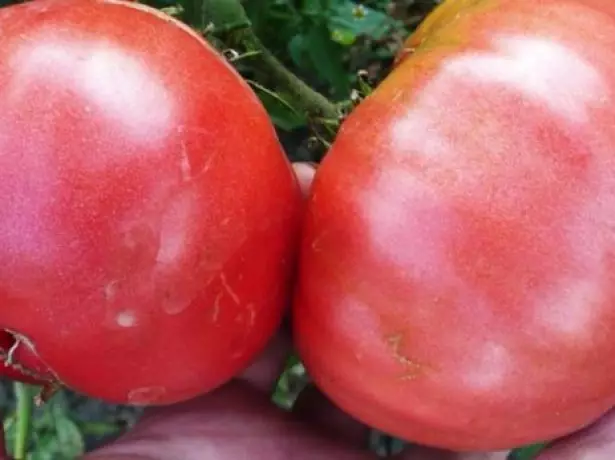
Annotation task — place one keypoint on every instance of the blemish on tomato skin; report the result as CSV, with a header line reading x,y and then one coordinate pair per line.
x,y
174,304
412,369
110,290
126,319
184,164
146,395
215,314
397,94
239,318
174,230
316,244
237,354
251,314
189,171
228,289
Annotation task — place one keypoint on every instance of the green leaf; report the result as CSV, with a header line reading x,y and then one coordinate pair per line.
x,y
360,20
69,437
290,384
297,50
343,36
257,11
384,445
60,441
99,429
327,59
315,8
283,116
527,452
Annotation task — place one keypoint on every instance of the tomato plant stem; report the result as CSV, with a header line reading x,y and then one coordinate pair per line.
x,y
227,21
24,417
302,97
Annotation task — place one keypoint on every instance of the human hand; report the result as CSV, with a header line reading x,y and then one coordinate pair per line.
x,y
239,421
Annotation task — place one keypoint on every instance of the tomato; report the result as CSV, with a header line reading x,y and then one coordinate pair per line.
x,y
149,216
457,270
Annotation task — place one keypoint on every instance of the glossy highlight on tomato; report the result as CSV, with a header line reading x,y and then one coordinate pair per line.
x,y
149,216
457,271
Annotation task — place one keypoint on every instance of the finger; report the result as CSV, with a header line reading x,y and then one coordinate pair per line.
x,y
596,442
428,453
305,175
315,409
265,371
236,422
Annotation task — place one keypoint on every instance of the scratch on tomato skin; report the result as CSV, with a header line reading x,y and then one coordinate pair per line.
x,y
251,314
186,168
216,309
110,290
146,395
316,243
412,369
240,352
398,93
228,289
184,163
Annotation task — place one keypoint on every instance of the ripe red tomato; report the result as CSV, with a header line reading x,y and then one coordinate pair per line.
x,y
149,216
457,271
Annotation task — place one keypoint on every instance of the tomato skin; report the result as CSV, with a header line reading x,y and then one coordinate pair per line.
x,y
457,271
150,216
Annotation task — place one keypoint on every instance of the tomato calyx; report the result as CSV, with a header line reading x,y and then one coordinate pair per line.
x,y
20,362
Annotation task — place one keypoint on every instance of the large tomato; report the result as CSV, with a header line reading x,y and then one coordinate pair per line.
x,y
457,273
149,215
